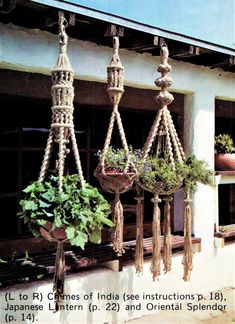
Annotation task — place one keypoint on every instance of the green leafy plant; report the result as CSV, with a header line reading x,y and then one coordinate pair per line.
x,y
187,172
224,144
196,171
83,212
159,169
116,159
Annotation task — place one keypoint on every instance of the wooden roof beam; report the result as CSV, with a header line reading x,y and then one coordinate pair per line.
x,y
191,51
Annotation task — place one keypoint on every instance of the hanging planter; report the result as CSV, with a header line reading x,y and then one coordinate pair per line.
x,y
76,215
63,208
112,179
115,176
159,176
161,166
163,170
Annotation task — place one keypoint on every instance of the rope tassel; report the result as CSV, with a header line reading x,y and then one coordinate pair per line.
x,y
167,242
59,276
117,233
156,229
139,253
188,251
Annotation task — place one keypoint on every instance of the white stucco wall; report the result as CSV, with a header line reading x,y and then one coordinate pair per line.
x,y
36,51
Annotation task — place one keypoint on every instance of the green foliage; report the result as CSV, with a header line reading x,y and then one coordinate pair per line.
x,y
188,172
82,211
197,171
226,228
116,159
159,169
224,144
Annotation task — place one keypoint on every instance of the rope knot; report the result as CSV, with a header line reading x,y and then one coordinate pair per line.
x,y
156,199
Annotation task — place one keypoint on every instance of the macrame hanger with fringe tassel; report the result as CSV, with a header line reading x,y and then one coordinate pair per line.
x,y
61,132
167,145
116,183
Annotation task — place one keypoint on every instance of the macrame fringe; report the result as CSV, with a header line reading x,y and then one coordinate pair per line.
x,y
117,232
167,242
63,62
139,253
59,276
156,229
188,251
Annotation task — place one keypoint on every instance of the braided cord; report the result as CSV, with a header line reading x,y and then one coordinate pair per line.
x,y
77,157
46,158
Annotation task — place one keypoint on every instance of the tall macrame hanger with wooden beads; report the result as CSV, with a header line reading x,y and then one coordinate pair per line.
x,y
61,133
116,183
163,134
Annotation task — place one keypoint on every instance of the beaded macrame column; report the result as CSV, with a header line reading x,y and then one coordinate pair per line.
x,y
61,133
62,126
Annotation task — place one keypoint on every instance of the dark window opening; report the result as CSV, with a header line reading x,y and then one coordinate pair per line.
x,y
226,204
24,128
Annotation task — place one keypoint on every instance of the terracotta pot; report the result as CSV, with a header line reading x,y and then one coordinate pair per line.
x,y
225,162
57,234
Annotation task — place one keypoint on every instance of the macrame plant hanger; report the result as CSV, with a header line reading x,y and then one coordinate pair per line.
x,y
116,183
61,132
164,135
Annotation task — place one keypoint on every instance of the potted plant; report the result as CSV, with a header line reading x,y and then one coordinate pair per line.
x,y
224,157
115,170
157,174
76,215
116,173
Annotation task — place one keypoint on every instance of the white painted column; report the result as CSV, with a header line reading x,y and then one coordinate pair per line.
x,y
199,111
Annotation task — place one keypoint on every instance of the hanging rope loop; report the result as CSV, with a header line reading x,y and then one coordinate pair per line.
x,y
116,44
63,38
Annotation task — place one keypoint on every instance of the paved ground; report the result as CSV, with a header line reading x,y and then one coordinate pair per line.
x,y
186,317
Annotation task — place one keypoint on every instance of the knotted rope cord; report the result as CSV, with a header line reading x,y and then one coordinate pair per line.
x,y
117,234
62,129
167,241
62,126
156,240
163,119
59,275
188,249
139,253
115,79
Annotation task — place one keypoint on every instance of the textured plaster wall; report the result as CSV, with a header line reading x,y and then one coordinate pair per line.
x,y
36,51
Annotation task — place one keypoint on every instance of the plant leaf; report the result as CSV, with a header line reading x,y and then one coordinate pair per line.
x,y
95,236
30,205
43,204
